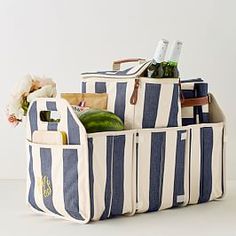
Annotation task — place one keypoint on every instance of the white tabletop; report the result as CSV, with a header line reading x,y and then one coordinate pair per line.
x,y
214,218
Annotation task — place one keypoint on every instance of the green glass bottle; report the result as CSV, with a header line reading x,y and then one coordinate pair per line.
x,y
171,67
155,69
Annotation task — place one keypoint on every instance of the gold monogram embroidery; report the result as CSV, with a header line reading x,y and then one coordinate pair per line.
x,y
44,186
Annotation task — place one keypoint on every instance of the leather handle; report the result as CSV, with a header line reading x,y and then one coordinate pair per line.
x,y
192,102
116,64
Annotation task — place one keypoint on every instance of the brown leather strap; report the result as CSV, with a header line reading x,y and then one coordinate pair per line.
x,y
191,102
116,64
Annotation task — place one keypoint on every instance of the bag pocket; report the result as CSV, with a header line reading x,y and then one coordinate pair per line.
x,y
58,181
112,173
162,168
158,103
206,162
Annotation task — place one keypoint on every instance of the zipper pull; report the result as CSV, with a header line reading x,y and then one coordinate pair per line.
x,y
134,97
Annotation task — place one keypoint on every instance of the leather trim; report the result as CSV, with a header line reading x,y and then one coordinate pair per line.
x,y
116,64
192,102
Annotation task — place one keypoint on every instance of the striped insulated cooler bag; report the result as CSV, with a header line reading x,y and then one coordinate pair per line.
x,y
102,175
139,101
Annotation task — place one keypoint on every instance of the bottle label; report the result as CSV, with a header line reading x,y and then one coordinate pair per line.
x,y
160,51
175,52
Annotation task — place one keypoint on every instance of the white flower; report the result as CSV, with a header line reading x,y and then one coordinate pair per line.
x,y
24,92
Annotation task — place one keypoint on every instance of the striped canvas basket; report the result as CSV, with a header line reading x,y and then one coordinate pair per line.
x,y
139,101
103,175
91,178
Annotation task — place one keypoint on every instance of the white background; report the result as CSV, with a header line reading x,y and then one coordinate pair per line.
x,y
62,38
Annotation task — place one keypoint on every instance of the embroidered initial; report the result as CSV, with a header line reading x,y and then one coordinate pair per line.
x,y
44,186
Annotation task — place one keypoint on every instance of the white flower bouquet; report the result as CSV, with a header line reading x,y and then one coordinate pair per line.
x,y
25,91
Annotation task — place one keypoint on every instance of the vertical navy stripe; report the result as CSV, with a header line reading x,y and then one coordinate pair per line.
x,y
51,106
106,212
204,118
83,87
118,175
100,87
156,169
73,129
174,109
151,102
206,135
52,126
179,168
195,113
120,100
70,182
31,198
91,176
47,188
188,93
33,118
200,91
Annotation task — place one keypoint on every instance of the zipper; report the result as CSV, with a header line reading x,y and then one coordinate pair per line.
x,y
134,96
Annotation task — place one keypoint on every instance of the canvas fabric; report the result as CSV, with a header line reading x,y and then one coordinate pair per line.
x,y
102,175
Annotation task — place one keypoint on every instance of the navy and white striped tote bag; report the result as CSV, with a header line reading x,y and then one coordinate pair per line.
x,y
139,101
91,178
